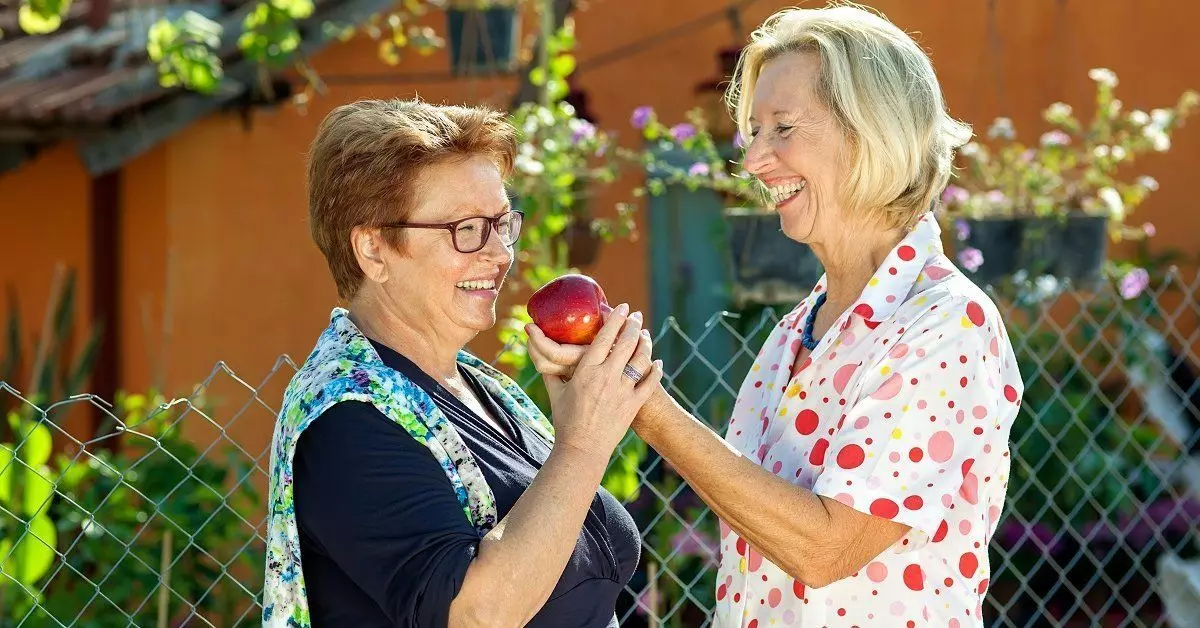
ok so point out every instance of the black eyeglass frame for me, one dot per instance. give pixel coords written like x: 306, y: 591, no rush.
x: 493, y: 224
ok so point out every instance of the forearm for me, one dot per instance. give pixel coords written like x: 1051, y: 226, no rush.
x: 522, y: 558
x: 790, y: 526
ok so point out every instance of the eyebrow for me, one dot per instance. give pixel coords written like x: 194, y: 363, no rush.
x: 777, y: 113
x: 467, y: 211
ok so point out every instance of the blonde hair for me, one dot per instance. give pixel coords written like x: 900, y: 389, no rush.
x: 366, y: 160
x: 881, y: 88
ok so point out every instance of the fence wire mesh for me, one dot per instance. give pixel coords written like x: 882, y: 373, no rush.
x: 156, y: 517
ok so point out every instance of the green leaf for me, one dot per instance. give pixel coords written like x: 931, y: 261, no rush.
x: 34, y: 553
x: 34, y: 441
x: 35, y: 23
x: 562, y: 66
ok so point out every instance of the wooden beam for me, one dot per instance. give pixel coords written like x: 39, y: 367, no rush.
x: 108, y: 150
x: 13, y: 155
x: 106, y: 215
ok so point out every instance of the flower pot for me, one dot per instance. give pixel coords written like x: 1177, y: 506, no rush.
x: 482, y: 41
x: 1083, y: 247
x: 767, y: 267
x: 1073, y: 247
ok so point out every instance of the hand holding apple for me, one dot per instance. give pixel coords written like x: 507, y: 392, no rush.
x: 570, y: 309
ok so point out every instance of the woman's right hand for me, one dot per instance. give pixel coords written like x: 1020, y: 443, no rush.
x: 594, y: 409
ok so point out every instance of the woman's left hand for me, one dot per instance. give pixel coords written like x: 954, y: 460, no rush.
x: 556, y: 362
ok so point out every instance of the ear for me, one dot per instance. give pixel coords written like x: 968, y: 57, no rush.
x: 368, y: 246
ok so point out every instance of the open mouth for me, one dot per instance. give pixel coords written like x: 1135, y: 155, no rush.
x: 477, y: 286
x: 781, y: 195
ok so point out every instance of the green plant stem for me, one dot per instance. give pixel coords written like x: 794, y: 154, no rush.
x: 164, y: 584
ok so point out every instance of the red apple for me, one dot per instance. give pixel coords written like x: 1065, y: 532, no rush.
x: 570, y: 309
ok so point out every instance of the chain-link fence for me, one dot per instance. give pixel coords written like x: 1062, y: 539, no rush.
x: 157, y: 519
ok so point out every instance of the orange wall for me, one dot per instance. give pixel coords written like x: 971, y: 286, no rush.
x: 217, y: 242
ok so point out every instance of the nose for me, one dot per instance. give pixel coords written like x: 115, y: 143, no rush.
x: 760, y: 159
x: 495, y: 251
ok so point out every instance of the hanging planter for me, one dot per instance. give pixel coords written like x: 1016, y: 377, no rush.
x: 482, y: 37
x: 1072, y: 247
x: 1050, y: 207
x: 768, y: 268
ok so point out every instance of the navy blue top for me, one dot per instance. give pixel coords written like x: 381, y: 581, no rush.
x: 384, y: 541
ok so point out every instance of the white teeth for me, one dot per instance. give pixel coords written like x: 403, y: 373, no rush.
x: 781, y: 193
x: 481, y: 284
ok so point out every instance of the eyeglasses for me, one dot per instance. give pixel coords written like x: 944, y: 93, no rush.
x: 471, y: 234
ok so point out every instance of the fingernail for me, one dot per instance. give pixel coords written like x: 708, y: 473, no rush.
x: 636, y: 316
x: 658, y: 363
x: 623, y: 309
x: 646, y: 333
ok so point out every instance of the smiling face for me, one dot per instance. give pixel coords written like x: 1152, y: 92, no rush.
x: 428, y: 281
x: 798, y: 150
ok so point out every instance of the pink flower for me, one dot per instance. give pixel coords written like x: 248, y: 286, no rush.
x: 698, y: 169
x: 1149, y: 230
x: 971, y: 258
x: 955, y: 195
x: 1134, y: 282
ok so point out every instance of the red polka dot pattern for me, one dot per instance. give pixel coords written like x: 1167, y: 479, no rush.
x: 903, y: 413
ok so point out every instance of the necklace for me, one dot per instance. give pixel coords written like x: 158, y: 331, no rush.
x: 807, y: 338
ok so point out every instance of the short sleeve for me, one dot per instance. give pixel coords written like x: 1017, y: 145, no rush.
x: 373, y: 499
x: 927, y: 409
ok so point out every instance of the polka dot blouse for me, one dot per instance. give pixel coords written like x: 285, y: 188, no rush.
x: 901, y: 411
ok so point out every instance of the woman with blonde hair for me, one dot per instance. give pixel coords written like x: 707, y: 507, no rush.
x: 866, y: 461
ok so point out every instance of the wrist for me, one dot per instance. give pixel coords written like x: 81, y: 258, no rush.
x: 654, y: 414
x: 581, y: 456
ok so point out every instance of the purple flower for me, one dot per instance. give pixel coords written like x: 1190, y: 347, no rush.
x: 583, y: 130
x: 996, y: 197
x: 1134, y: 282
x: 738, y: 140
x: 698, y: 169
x: 962, y: 229
x: 642, y: 116
x: 971, y: 258
x: 955, y: 195
x: 683, y: 131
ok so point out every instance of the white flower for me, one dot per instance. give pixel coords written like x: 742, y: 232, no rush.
x: 550, y: 146
x: 1148, y: 182
x: 1100, y: 151
x: 1047, y: 286
x: 1115, y: 106
x: 1161, y: 142
x: 1055, y: 138
x: 1139, y: 117
x: 1116, y: 206
x: 1058, y: 111
x: 969, y: 149
x: 1118, y: 152
x: 1002, y: 128
x: 1104, y: 76
x: 529, y: 165
x: 1161, y: 117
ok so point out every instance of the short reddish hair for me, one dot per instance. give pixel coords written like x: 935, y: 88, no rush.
x: 366, y: 159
